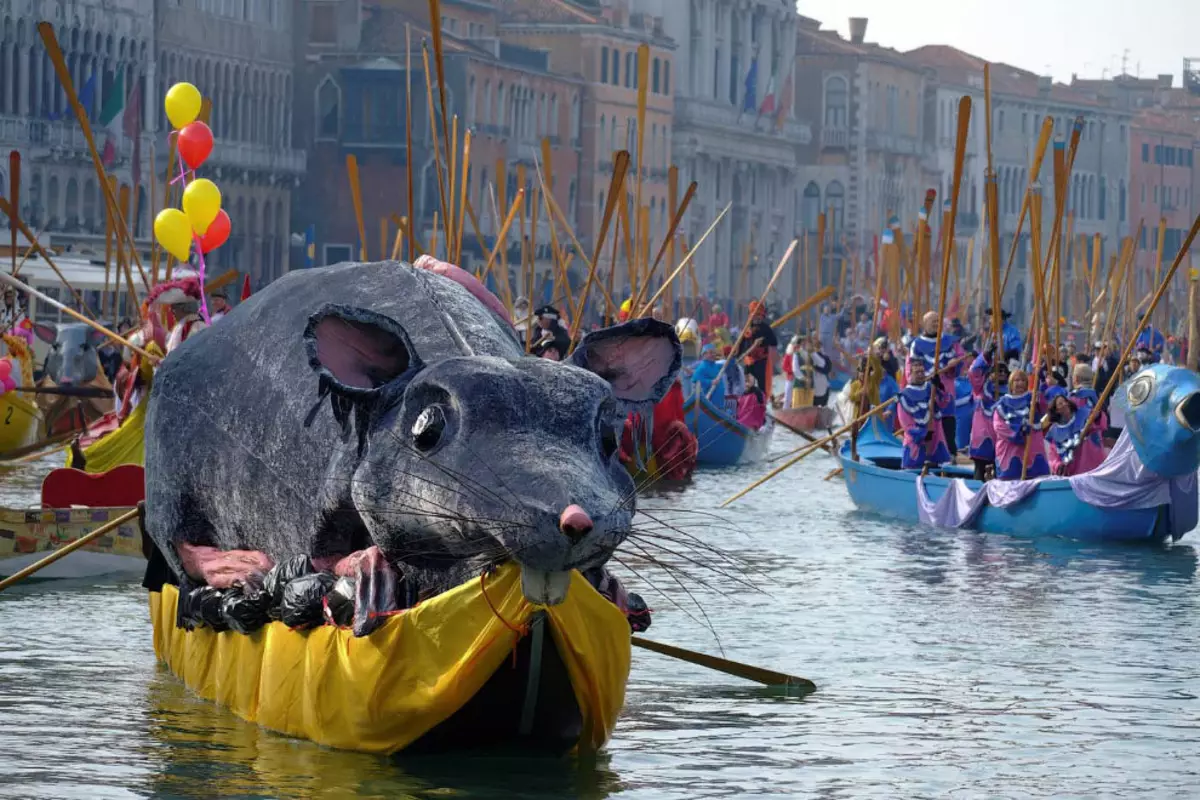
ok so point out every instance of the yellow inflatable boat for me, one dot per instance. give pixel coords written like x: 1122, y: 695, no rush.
x: 475, y: 667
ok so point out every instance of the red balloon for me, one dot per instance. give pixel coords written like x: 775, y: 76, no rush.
x: 195, y: 143
x: 217, y: 233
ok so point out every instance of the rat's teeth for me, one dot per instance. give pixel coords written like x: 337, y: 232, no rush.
x: 544, y: 588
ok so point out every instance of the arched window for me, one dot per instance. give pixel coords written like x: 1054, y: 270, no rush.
x: 329, y: 100
x: 836, y: 98
x: 604, y: 65
x: 1102, y: 201
x: 810, y: 206
x: 835, y: 199
x: 1121, y: 200
x: 666, y: 77
x: 630, y: 68
x: 616, y: 67
x: 575, y: 119
x: 655, y: 81
x: 471, y: 101
x: 601, y: 139
x: 501, y: 114
x: 487, y: 103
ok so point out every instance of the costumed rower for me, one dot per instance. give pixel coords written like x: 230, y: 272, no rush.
x: 182, y: 298
x: 1010, y: 335
x: 919, y: 415
x: 554, y: 342
x: 1151, y: 340
x: 1071, y: 449
x: 758, y: 346
x: 1011, y: 423
x: 706, y: 370
x: 923, y: 348
x: 987, y: 384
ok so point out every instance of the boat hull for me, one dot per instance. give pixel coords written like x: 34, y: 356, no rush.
x: 441, y: 676
x: 806, y: 418
x: 721, y: 439
x: 1051, y: 510
x: 29, y: 535
x: 20, y: 422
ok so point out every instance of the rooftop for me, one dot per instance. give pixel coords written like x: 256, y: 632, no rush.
x: 955, y: 66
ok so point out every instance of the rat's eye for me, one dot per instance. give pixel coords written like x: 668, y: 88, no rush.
x: 427, y: 430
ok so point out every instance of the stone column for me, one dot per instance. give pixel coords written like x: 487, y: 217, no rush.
x: 22, y: 73
x: 149, y: 97
x: 724, y: 17
x: 707, y: 54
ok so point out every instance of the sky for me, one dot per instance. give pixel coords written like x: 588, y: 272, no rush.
x: 1056, y: 36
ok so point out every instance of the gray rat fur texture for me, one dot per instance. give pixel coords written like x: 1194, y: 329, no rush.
x: 253, y: 441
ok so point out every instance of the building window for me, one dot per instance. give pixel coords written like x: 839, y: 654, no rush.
x: 835, y: 102
x: 655, y: 80
x: 1000, y: 121
x: 602, y: 140
x: 1103, y: 201
x: 835, y: 199
x: 629, y: 69
x: 604, y: 65
x: 1024, y: 122
x: 1158, y: 155
x: 667, y: 81
x: 716, y: 73
x: 616, y: 67
x: 1121, y: 200
x: 1145, y: 153
x: 338, y: 253
x: 329, y: 100
x: 322, y: 24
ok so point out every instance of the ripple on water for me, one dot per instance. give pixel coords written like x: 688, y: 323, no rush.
x: 949, y: 664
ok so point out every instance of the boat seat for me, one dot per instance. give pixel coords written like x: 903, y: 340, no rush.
x: 121, y: 486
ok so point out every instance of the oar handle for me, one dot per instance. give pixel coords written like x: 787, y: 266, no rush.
x: 82, y: 541
x: 736, y: 668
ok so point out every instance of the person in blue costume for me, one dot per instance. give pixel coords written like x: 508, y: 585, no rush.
x: 919, y: 415
x: 1151, y: 340
x: 964, y: 411
x: 706, y: 370
x: 1010, y: 335
x: 1069, y: 449
x: 923, y: 348
x: 1013, y: 431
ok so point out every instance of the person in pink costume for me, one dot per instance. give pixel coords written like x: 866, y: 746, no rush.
x: 1010, y: 420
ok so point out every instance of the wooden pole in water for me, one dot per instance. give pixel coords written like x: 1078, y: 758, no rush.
x: 749, y: 672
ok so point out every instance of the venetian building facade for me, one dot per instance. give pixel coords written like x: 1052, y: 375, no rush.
x: 1098, y: 196
x: 597, y: 46
x: 868, y: 161
x: 736, y: 149
x: 107, y: 47
x: 239, y: 54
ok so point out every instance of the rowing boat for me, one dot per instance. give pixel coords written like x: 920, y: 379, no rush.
x: 721, y: 439
x: 475, y: 667
x: 27, y: 535
x: 1145, y: 491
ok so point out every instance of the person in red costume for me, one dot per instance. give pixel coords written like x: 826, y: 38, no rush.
x: 674, y: 446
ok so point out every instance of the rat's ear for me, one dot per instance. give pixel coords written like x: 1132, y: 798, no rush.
x: 640, y: 359
x: 358, y: 354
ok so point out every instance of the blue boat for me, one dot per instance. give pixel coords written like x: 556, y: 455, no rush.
x: 722, y: 440
x: 1145, y: 491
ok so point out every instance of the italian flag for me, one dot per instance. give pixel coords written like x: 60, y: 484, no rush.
x: 112, y: 116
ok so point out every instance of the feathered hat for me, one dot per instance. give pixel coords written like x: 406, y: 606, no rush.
x: 171, y: 293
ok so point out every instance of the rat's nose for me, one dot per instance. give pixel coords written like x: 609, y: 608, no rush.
x: 575, y: 523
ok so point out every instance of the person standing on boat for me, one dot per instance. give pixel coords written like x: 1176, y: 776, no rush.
x: 752, y: 406
x: 919, y: 415
x: 182, y: 299
x: 1151, y: 340
x: 789, y: 371
x: 1010, y: 336
x: 988, y: 383
x: 1071, y: 449
x: 734, y: 379
x: 923, y: 349
x: 821, y: 367
x: 1011, y: 423
x: 554, y: 341
x: 759, y: 345
x: 706, y: 370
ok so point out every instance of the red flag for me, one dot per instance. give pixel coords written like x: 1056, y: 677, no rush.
x: 246, y: 288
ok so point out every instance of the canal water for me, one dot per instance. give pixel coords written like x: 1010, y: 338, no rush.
x: 949, y: 664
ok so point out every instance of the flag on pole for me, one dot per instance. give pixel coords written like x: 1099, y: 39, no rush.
x: 112, y: 118
x: 310, y: 246
x: 132, y: 127
x: 750, y: 101
x: 768, y: 104
x: 784, y: 104
x: 246, y: 287
x: 87, y: 99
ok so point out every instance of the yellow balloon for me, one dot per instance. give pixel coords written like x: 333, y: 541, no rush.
x: 201, y: 203
x: 174, y: 232
x: 182, y: 104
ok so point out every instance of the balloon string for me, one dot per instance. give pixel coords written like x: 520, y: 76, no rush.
x: 183, y: 176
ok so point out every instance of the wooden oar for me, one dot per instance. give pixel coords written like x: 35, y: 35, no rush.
x: 82, y: 541
x: 820, y: 296
x: 828, y: 448
x: 736, y: 668
x: 66, y: 391
x: 45, y: 446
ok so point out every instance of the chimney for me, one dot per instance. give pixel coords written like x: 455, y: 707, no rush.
x: 1165, y: 80
x: 858, y: 29
x: 1044, y: 84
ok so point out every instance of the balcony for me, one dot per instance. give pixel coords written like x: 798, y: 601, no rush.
x: 835, y: 138
x: 893, y: 143
x: 39, y: 137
